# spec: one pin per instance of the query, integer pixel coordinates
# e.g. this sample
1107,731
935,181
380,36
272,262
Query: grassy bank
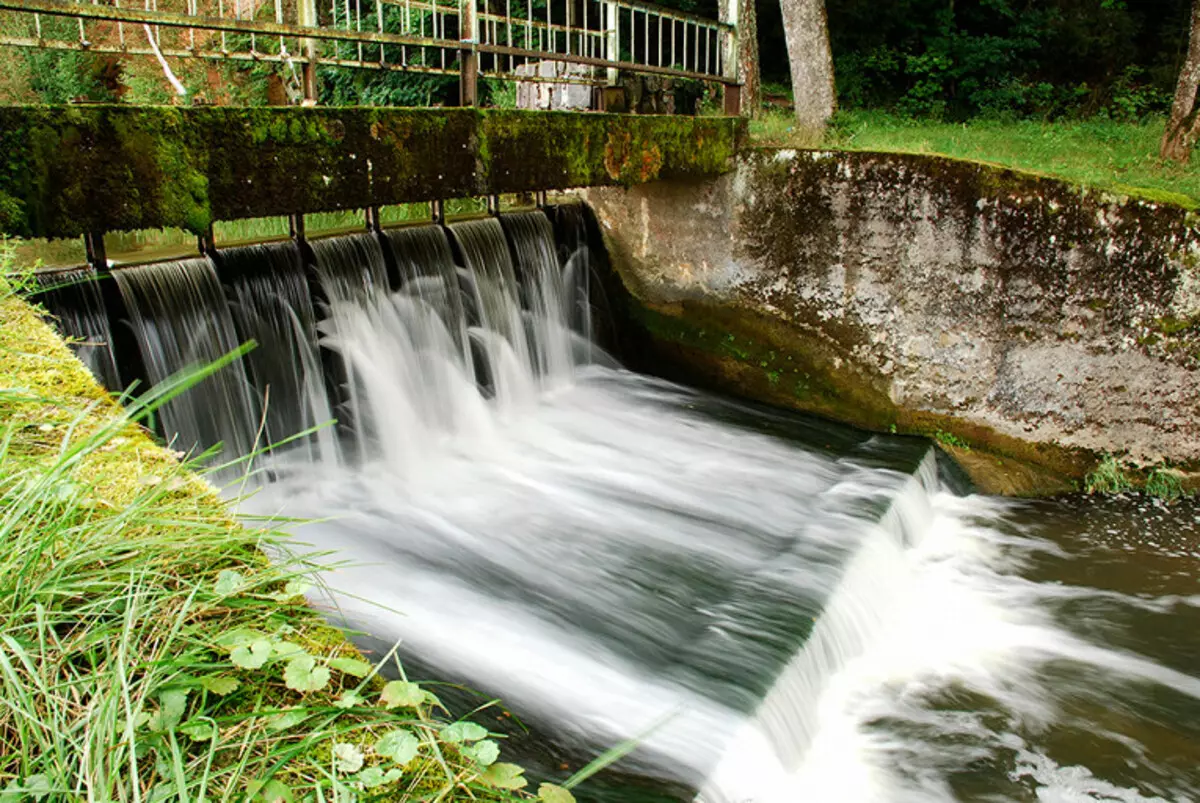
150,652
1115,156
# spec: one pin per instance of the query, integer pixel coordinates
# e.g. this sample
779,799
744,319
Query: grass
148,649
1120,157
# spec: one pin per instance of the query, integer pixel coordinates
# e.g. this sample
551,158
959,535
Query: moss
71,170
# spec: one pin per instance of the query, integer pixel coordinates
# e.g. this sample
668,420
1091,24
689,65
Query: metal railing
588,40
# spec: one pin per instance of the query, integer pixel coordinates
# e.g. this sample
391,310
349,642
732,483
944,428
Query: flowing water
779,609
74,299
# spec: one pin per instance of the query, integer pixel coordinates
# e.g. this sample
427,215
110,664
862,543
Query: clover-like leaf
375,777
228,582
34,786
399,745
252,655
463,732
302,674
220,685
198,730
504,776
347,757
351,666
482,753
401,693
552,793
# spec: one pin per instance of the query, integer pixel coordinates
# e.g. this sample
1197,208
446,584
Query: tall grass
148,649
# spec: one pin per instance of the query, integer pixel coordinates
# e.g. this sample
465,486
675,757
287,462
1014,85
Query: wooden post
373,222
437,211
206,243
733,100
468,58
307,10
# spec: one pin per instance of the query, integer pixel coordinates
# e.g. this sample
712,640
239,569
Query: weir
775,607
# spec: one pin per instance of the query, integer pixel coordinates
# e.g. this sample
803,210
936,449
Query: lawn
1118,156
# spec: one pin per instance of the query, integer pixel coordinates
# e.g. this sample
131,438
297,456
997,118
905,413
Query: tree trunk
742,14
807,32
1183,126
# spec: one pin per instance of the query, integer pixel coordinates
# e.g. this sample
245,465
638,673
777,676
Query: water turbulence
779,609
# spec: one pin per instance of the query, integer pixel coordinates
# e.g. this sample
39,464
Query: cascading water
780,609
73,297
181,320
271,306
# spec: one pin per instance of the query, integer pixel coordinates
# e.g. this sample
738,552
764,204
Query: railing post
307,10
728,12
468,57
612,39
96,255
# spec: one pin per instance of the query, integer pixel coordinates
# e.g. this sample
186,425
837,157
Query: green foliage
1001,58
950,439
1109,477
1164,483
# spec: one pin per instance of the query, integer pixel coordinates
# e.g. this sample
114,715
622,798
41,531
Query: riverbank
1116,156
150,651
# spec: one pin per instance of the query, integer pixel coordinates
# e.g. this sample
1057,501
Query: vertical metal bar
221,14
660,41
379,19
306,13
406,26
696,48
468,58
569,12
549,26
674,27
646,37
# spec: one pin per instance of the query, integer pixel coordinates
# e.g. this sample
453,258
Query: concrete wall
71,170
1041,323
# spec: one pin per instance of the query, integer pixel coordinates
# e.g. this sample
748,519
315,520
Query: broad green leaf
551,793
398,745
351,666
286,720
269,792
349,699
347,758
401,693
171,705
302,674
199,730
252,655
220,685
374,777
286,649
228,582
432,700
239,637
463,732
294,588
504,776
34,786
483,753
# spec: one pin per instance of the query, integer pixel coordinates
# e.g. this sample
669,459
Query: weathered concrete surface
1041,323
65,171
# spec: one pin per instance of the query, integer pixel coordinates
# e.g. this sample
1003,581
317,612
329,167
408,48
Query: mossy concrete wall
1041,323
71,170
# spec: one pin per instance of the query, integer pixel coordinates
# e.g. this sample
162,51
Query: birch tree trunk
742,14
1183,126
807,32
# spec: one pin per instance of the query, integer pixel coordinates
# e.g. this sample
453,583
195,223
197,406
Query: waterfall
181,320
73,297
350,267
271,305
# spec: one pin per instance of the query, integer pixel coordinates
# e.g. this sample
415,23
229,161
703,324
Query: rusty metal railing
585,41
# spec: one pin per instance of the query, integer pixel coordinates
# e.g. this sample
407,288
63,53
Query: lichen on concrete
1036,321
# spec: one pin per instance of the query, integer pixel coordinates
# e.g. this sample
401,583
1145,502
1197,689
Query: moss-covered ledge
71,170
